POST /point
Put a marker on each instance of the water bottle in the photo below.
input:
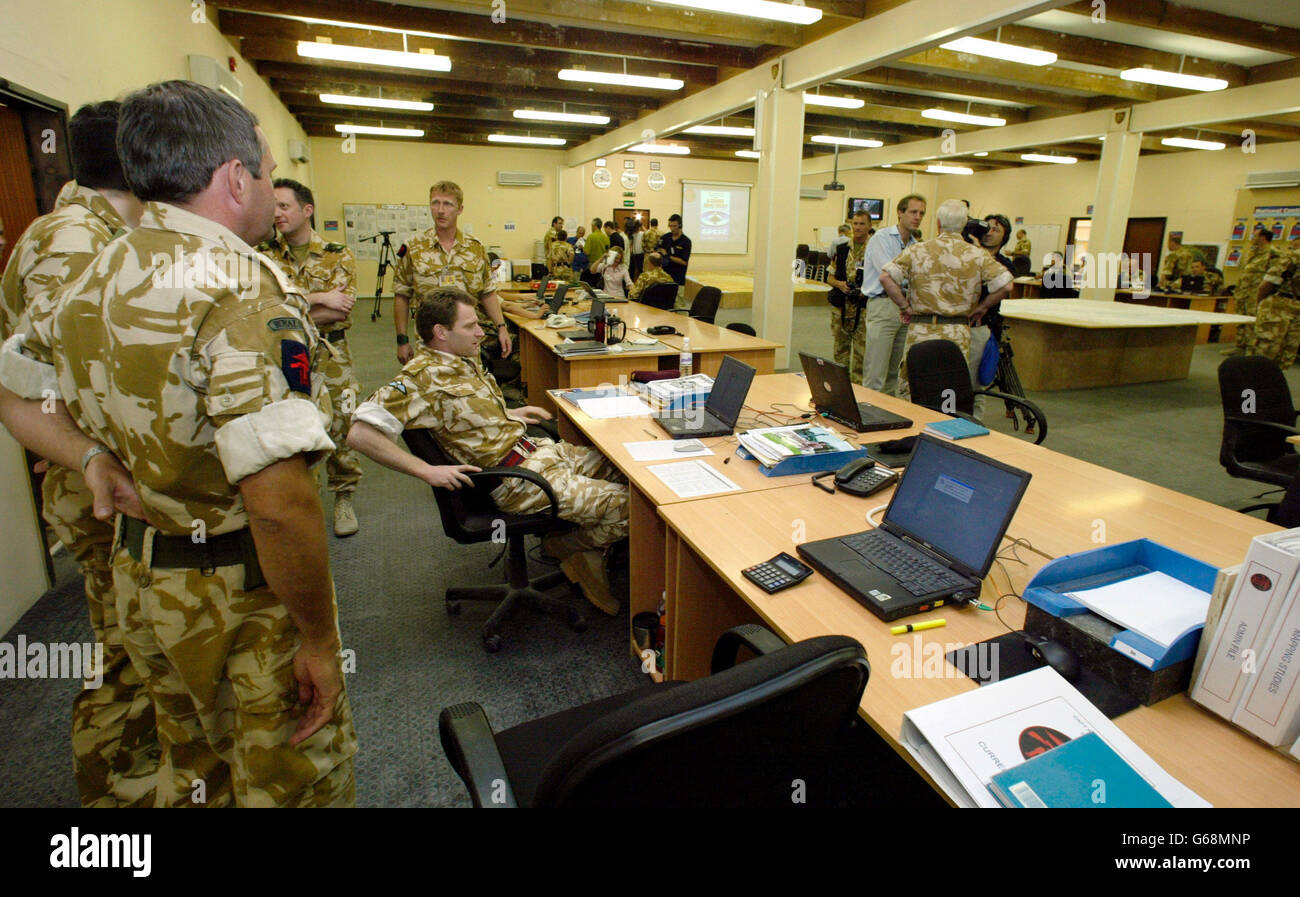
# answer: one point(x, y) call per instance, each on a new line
point(684, 366)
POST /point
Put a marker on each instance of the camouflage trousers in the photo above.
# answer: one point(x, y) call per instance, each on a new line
point(1245, 301)
point(343, 467)
point(218, 662)
point(114, 744)
point(590, 490)
point(850, 341)
point(1277, 329)
point(919, 333)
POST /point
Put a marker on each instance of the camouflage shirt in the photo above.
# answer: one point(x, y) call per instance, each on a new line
point(650, 241)
point(1253, 270)
point(329, 266)
point(1177, 264)
point(551, 234)
point(427, 266)
point(452, 396)
point(1284, 271)
point(1213, 280)
point(649, 277)
point(192, 357)
point(945, 275)
point(559, 260)
point(1022, 247)
point(55, 248)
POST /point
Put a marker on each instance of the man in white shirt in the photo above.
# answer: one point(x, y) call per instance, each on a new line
point(885, 331)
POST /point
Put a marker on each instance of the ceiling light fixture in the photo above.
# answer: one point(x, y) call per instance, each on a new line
point(523, 138)
point(1188, 143)
point(379, 132)
point(1173, 79)
point(672, 149)
point(964, 118)
point(575, 118)
point(949, 169)
point(340, 99)
point(794, 14)
point(1043, 157)
point(845, 141)
point(720, 130)
point(747, 154)
point(995, 50)
point(429, 62)
point(621, 79)
point(818, 99)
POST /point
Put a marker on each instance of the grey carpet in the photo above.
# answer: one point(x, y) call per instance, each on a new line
point(412, 659)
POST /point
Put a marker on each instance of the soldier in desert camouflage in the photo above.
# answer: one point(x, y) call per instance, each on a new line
point(115, 746)
point(445, 389)
point(944, 276)
point(206, 383)
point(327, 274)
point(1245, 299)
point(1277, 324)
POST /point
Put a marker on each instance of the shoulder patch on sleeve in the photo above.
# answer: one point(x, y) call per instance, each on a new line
point(335, 247)
point(285, 323)
point(399, 386)
point(295, 364)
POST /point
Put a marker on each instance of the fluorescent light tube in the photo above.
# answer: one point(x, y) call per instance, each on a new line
point(1043, 157)
point(747, 154)
point(845, 141)
point(963, 118)
point(1173, 79)
point(820, 99)
point(1188, 143)
point(571, 117)
point(794, 14)
point(618, 79)
point(995, 50)
point(720, 130)
point(672, 149)
point(339, 99)
point(380, 132)
point(948, 169)
point(429, 62)
point(523, 138)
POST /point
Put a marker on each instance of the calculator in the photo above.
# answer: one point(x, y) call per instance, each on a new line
point(779, 573)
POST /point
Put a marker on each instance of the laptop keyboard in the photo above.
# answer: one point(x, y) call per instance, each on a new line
point(918, 574)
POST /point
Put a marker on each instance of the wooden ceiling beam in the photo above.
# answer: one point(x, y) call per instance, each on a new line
point(1083, 83)
point(1165, 16)
point(890, 76)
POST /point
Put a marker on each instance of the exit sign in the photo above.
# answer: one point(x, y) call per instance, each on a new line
point(629, 203)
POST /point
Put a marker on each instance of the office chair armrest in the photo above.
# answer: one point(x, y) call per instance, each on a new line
point(751, 635)
point(519, 473)
point(1023, 403)
point(680, 311)
point(1269, 505)
point(1254, 421)
point(471, 747)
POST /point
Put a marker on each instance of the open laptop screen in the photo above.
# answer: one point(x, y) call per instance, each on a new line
point(956, 502)
point(730, 388)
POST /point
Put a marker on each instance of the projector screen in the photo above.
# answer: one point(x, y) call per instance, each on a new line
point(715, 215)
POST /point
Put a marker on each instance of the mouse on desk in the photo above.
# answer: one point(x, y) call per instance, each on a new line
point(1054, 654)
point(688, 445)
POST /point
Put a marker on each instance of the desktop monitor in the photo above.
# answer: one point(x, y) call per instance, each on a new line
point(874, 207)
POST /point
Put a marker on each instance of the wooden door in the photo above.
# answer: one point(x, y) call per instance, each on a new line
point(17, 189)
point(1146, 235)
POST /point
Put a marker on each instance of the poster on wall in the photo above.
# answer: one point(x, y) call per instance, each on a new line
point(1295, 230)
point(1239, 229)
point(1278, 229)
point(362, 220)
point(1234, 257)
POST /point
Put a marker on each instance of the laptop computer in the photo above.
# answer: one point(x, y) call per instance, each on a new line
point(556, 299)
point(832, 396)
point(594, 294)
point(937, 539)
point(597, 312)
point(721, 411)
point(1193, 283)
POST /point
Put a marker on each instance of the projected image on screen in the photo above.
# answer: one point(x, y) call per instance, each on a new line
point(716, 217)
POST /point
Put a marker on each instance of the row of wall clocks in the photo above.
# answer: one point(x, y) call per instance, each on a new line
point(602, 178)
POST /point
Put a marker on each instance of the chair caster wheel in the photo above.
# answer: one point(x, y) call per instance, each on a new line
point(492, 643)
point(453, 608)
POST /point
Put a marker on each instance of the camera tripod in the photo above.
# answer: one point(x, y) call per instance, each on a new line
point(386, 257)
point(1007, 380)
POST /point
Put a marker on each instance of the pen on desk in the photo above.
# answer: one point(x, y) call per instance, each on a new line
point(917, 627)
point(648, 433)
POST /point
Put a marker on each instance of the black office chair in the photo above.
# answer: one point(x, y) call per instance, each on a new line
point(801, 252)
point(704, 307)
point(1286, 511)
point(742, 327)
point(740, 737)
point(1258, 416)
point(469, 515)
point(939, 379)
point(660, 295)
point(1021, 266)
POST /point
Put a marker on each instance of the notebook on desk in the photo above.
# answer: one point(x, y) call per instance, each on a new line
point(832, 396)
point(937, 539)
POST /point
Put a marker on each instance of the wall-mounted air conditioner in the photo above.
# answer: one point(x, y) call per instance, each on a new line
point(519, 178)
point(210, 73)
point(299, 151)
point(812, 193)
point(1262, 180)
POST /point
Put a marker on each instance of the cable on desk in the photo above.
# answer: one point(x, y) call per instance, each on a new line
point(796, 406)
point(873, 511)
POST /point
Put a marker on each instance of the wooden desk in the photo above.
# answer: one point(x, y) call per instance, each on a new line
point(710, 541)
point(737, 288)
point(544, 369)
point(1074, 343)
point(1226, 333)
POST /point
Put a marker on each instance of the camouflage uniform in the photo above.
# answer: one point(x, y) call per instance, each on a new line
point(115, 747)
point(851, 341)
point(1213, 281)
point(330, 266)
point(1245, 295)
point(559, 260)
point(551, 234)
point(1177, 264)
point(463, 406)
point(944, 277)
point(427, 266)
point(1277, 322)
point(648, 278)
point(1022, 247)
point(195, 387)
point(650, 241)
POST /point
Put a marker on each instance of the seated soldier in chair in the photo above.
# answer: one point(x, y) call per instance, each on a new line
point(445, 389)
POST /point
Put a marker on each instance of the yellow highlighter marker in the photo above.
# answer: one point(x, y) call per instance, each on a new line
point(917, 627)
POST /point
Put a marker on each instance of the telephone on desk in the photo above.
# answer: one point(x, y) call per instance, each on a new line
point(861, 476)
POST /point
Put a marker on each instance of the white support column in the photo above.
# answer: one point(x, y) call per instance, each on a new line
point(1116, 173)
point(776, 210)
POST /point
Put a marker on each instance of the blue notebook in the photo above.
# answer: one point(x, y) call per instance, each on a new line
point(1083, 772)
point(957, 428)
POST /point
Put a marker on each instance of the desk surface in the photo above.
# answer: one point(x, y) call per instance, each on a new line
point(743, 282)
point(1094, 315)
point(704, 337)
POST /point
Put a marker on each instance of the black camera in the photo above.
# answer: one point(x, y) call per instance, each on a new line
point(975, 230)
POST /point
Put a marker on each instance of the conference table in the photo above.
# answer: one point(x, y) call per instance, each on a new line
point(689, 553)
point(544, 369)
point(737, 288)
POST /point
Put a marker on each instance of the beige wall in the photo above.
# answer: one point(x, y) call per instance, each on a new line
point(891, 186)
point(1195, 191)
point(79, 51)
